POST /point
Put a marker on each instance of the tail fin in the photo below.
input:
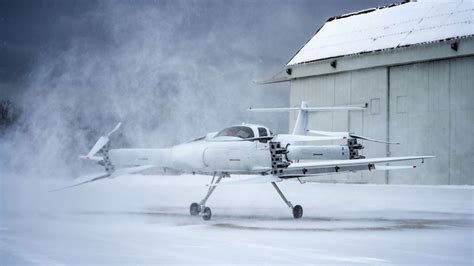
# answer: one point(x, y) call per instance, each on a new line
point(301, 124)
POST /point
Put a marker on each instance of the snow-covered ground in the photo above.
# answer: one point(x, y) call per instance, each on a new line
point(144, 220)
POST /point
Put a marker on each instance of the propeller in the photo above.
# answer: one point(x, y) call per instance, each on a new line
point(102, 142)
point(373, 140)
point(346, 135)
point(100, 176)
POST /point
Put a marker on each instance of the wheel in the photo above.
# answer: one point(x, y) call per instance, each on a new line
point(194, 209)
point(297, 212)
point(206, 215)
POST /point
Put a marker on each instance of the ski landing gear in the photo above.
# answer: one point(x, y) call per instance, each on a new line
point(297, 210)
point(201, 209)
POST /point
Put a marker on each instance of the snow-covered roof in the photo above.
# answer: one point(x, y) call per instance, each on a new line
point(389, 27)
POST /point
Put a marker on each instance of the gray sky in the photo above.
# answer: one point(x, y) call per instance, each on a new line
point(272, 30)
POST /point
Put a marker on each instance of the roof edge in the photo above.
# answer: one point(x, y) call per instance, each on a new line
point(383, 50)
point(365, 11)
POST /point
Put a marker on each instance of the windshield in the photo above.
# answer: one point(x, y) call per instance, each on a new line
point(262, 132)
point(238, 131)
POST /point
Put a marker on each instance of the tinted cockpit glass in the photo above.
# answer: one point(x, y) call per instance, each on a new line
point(262, 132)
point(238, 131)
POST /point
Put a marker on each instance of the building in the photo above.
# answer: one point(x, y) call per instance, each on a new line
point(413, 63)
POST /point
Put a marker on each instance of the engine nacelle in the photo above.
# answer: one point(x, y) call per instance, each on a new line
point(317, 152)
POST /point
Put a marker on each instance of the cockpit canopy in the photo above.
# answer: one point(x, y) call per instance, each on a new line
point(245, 132)
point(242, 132)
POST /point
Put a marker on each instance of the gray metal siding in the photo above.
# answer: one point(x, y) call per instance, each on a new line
point(461, 120)
point(431, 113)
point(355, 87)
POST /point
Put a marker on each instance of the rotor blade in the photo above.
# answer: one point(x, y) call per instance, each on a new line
point(118, 172)
point(98, 145)
point(373, 140)
point(102, 142)
point(82, 183)
point(115, 129)
point(348, 135)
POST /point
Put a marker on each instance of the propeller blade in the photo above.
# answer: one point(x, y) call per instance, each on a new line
point(102, 142)
point(118, 172)
point(348, 135)
point(82, 183)
point(373, 140)
point(115, 129)
point(98, 145)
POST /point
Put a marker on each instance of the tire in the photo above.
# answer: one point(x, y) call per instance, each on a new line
point(194, 209)
point(206, 216)
point(297, 212)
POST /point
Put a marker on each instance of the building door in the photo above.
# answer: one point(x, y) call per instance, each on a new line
point(419, 119)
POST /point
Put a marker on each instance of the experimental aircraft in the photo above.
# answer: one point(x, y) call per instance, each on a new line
point(251, 150)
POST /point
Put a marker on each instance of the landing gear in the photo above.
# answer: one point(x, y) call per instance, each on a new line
point(206, 214)
point(297, 210)
point(194, 209)
point(200, 208)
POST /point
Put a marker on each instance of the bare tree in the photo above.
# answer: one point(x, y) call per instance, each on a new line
point(5, 111)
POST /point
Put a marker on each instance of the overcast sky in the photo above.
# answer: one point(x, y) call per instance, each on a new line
point(35, 30)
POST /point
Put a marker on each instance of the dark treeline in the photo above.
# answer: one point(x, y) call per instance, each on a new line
point(8, 114)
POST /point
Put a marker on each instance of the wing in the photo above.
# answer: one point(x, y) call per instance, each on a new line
point(336, 166)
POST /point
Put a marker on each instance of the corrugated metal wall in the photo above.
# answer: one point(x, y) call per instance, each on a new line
point(426, 106)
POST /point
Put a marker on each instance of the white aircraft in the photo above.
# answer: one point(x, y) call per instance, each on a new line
point(251, 150)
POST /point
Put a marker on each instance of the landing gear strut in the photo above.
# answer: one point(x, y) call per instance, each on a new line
point(200, 208)
point(297, 210)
